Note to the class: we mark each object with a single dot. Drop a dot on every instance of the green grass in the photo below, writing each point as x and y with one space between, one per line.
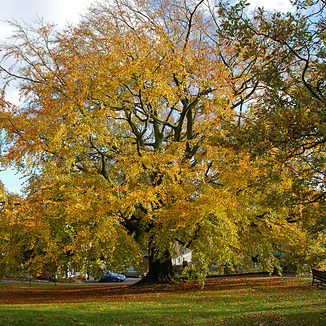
293 302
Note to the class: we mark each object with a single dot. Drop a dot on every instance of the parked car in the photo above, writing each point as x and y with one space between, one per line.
131 272
109 276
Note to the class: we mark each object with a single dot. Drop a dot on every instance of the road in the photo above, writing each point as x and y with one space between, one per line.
128 280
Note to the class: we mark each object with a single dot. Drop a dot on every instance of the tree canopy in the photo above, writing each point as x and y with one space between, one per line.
152 123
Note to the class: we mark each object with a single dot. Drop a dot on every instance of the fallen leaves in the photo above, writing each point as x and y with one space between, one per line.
123 293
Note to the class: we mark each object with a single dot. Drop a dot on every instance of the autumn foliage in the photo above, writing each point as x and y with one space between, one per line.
155 123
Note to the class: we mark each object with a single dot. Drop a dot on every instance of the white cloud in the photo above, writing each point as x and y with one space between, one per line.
59 12
280 5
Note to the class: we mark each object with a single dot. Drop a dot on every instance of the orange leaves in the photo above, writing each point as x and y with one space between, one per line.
133 123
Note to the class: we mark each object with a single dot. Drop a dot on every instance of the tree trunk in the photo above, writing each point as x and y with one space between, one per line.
160 271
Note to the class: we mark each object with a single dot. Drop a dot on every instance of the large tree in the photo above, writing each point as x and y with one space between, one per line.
130 128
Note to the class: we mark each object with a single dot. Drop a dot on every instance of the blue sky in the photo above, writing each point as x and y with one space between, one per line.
60 12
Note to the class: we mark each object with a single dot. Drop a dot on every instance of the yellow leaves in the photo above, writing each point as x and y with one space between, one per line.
133 128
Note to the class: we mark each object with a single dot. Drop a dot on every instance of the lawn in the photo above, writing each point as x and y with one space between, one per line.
223 301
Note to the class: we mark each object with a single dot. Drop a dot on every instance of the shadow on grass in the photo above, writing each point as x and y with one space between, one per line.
24 294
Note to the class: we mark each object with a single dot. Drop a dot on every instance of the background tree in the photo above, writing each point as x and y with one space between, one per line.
284 57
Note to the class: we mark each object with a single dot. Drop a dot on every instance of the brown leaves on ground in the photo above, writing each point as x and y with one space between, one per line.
76 293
